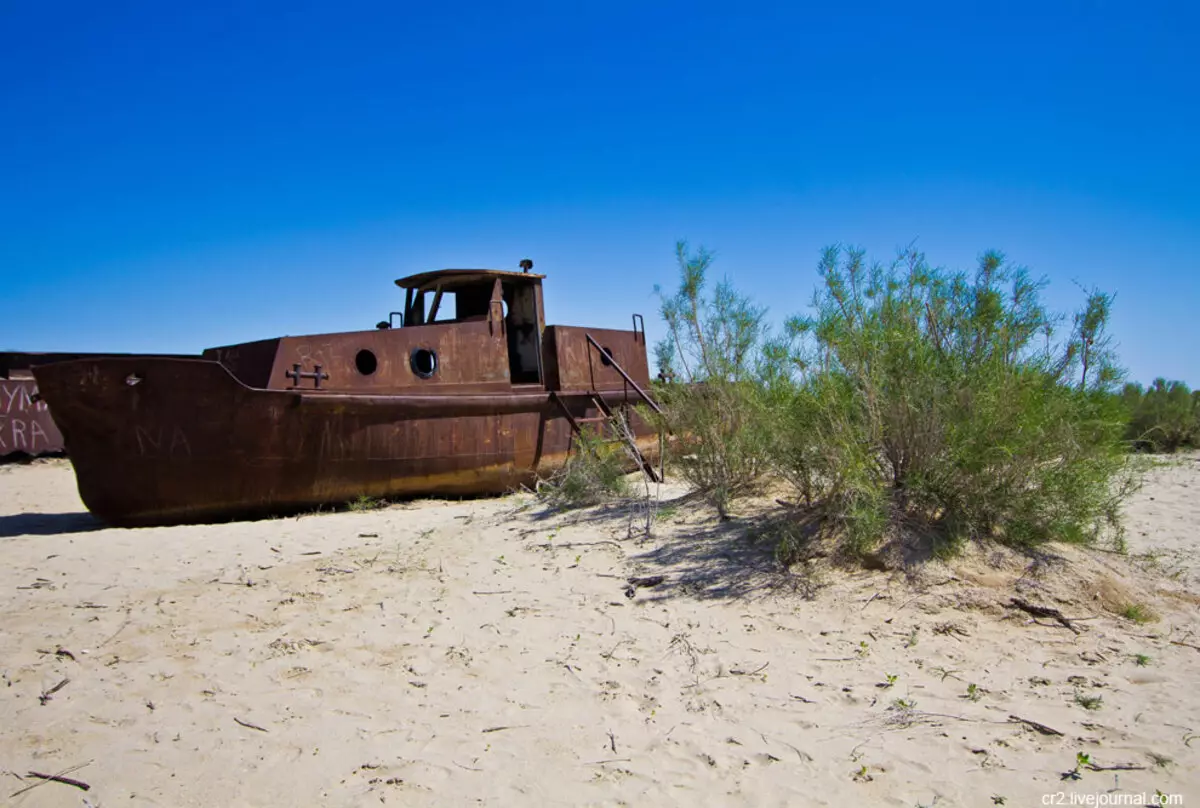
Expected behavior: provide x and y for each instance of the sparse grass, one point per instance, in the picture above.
(1160, 761)
(664, 514)
(1141, 660)
(366, 503)
(793, 540)
(973, 692)
(1088, 702)
(1138, 613)
(594, 473)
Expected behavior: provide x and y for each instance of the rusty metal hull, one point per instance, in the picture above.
(27, 428)
(161, 441)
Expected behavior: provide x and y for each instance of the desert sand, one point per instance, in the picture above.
(489, 652)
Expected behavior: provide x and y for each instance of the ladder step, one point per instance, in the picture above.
(630, 444)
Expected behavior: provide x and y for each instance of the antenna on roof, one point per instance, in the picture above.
(526, 265)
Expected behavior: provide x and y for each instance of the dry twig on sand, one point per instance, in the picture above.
(59, 777)
(1042, 728)
(47, 694)
(1043, 611)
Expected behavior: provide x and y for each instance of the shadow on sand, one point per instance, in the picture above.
(719, 561)
(723, 560)
(47, 524)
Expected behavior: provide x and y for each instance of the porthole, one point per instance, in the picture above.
(366, 362)
(606, 357)
(424, 362)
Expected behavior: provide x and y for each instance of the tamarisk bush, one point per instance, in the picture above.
(909, 402)
(713, 399)
(947, 405)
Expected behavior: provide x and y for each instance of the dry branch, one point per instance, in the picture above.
(58, 778)
(1042, 728)
(1043, 611)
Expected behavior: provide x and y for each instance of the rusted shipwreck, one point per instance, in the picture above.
(465, 391)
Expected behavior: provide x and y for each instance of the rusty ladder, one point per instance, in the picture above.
(598, 400)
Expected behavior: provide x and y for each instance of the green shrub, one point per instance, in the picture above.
(714, 402)
(940, 403)
(594, 473)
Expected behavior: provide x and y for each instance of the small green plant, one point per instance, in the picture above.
(997, 799)
(863, 649)
(669, 512)
(594, 473)
(1088, 702)
(1138, 613)
(862, 775)
(1160, 761)
(912, 639)
(891, 680)
(973, 692)
(1081, 760)
(1141, 660)
(904, 704)
(366, 503)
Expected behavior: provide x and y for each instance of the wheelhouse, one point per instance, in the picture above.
(512, 299)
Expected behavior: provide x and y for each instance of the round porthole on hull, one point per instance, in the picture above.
(366, 362)
(424, 362)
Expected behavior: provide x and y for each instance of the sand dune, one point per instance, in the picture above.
(449, 653)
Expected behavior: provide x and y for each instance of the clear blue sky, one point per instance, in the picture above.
(175, 176)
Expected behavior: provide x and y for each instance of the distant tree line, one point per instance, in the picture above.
(1164, 417)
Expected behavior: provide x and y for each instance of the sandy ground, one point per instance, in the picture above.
(484, 651)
